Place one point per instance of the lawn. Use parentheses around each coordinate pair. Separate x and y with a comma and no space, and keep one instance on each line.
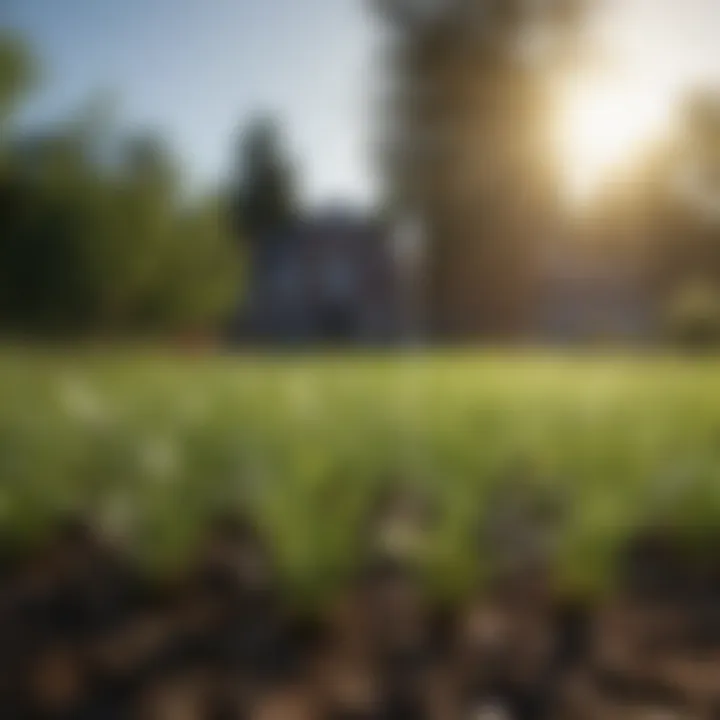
(153,445)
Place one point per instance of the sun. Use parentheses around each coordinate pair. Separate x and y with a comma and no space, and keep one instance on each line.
(605,123)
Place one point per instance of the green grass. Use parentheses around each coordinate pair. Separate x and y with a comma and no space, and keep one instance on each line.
(154,444)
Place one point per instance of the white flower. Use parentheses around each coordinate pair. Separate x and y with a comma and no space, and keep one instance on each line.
(117,518)
(81,402)
(490,711)
(400,539)
(670,485)
(160,458)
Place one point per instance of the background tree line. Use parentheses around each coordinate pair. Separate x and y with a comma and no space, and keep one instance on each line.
(98,235)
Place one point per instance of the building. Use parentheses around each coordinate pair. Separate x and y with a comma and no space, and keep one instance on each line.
(331,277)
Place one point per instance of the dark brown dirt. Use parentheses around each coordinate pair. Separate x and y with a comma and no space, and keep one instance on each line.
(84,636)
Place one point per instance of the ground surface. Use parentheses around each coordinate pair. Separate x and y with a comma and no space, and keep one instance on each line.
(86,636)
(184,536)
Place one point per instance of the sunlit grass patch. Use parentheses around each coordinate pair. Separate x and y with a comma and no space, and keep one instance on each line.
(155,445)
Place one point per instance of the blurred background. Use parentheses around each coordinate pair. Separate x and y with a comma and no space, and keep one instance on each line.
(366,173)
(358,359)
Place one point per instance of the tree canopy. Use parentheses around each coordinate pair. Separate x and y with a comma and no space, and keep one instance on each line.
(98,236)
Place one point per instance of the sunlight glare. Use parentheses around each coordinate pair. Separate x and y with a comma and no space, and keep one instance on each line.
(605,124)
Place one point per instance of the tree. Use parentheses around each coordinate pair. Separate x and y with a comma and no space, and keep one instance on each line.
(96,247)
(693,316)
(199,278)
(470,150)
(265,198)
(17,74)
(685,199)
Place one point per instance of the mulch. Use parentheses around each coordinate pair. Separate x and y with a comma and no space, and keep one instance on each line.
(84,634)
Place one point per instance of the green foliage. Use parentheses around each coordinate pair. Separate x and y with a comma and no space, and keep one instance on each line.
(98,239)
(200,278)
(694,317)
(17,73)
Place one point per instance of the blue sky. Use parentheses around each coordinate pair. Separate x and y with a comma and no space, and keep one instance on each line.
(195,69)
